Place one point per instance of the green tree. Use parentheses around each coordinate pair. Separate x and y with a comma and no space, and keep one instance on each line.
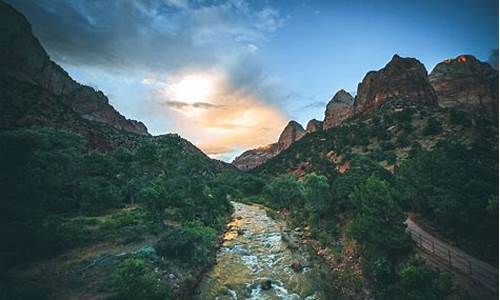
(317,194)
(285,191)
(378,222)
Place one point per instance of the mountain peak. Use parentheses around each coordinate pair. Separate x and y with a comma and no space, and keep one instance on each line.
(466,83)
(403,78)
(24,61)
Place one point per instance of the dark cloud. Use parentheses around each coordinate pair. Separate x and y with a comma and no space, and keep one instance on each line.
(147,33)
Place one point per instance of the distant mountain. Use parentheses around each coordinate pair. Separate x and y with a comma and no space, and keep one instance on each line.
(463,83)
(252,158)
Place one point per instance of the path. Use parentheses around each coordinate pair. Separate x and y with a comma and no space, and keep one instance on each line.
(454,258)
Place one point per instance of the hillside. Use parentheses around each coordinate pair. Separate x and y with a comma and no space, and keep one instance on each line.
(89,197)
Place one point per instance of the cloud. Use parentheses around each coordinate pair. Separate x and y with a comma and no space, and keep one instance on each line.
(229,119)
(168,40)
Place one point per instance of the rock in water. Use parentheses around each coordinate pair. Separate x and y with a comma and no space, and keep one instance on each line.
(401,79)
(338,109)
(266,284)
(466,83)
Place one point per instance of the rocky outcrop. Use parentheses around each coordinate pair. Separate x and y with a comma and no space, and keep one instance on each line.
(401,79)
(23,60)
(466,83)
(314,125)
(292,133)
(253,158)
(338,109)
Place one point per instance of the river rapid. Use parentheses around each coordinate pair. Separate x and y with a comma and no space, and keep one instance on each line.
(260,259)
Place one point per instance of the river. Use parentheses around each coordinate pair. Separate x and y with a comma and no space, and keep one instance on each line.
(258,261)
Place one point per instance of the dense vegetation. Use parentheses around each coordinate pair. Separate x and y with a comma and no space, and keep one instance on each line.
(58,195)
(359,180)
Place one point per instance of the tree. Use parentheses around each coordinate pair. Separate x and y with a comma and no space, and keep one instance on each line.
(378,223)
(317,194)
(285,191)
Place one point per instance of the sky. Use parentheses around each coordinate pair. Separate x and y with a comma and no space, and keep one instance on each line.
(229,75)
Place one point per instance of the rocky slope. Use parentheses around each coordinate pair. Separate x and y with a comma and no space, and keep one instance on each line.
(314,125)
(40,83)
(338,109)
(466,83)
(252,158)
(402,79)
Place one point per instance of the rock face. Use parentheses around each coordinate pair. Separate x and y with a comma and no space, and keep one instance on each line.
(23,61)
(255,157)
(401,79)
(466,83)
(314,125)
(292,133)
(338,109)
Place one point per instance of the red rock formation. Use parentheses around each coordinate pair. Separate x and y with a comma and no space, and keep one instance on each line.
(255,157)
(466,83)
(23,59)
(338,109)
(401,79)
(314,125)
(292,133)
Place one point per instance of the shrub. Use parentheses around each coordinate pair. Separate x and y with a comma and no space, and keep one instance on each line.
(285,191)
(191,243)
(133,280)
(433,127)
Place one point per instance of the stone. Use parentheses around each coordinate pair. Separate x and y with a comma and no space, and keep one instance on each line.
(467,84)
(266,284)
(296,266)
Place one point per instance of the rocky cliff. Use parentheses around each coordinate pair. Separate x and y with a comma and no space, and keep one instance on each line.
(466,83)
(314,125)
(338,109)
(292,133)
(24,63)
(252,158)
(401,79)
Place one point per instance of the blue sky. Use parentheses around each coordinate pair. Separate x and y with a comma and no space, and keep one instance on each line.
(228,75)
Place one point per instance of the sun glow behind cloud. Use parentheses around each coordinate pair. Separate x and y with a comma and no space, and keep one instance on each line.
(217,117)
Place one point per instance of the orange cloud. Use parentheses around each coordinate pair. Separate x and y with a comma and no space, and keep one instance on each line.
(226,120)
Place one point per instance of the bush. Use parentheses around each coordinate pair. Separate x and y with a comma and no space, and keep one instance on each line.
(433,127)
(133,280)
(285,191)
(317,194)
(419,282)
(192,243)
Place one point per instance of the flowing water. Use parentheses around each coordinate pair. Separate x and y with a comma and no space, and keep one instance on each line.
(256,259)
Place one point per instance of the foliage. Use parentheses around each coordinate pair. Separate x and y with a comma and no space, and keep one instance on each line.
(133,280)
(191,243)
(419,282)
(285,191)
(453,186)
(317,196)
(378,222)
(433,127)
